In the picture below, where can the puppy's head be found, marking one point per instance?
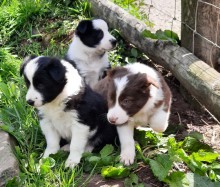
(44, 78)
(127, 95)
(94, 34)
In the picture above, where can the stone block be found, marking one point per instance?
(8, 163)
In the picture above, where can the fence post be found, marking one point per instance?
(200, 30)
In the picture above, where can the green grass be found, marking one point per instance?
(45, 27)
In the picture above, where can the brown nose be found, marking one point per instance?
(112, 120)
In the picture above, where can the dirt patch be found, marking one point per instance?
(187, 115)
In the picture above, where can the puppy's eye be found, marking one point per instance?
(126, 102)
(40, 86)
(100, 34)
(27, 82)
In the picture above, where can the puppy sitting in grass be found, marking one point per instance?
(137, 95)
(67, 107)
(89, 49)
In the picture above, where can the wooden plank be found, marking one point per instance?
(196, 76)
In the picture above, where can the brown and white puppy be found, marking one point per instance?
(137, 95)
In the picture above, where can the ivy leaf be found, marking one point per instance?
(134, 52)
(115, 172)
(106, 151)
(148, 34)
(177, 179)
(161, 166)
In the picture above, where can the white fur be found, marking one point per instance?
(56, 122)
(126, 133)
(117, 113)
(32, 93)
(91, 61)
(157, 118)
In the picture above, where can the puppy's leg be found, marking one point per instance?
(126, 133)
(78, 143)
(52, 138)
(159, 121)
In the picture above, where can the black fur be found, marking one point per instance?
(90, 36)
(49, 79)
(92, 111)
(50, 72)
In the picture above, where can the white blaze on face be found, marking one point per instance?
(105, 43)
(117, 113)
(32, 93)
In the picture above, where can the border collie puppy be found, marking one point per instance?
(89, 48)
(67, 108)
(137, 95)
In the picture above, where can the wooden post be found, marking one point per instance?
(200, 32)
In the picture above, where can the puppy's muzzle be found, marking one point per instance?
(30, 102)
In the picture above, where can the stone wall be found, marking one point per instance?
(200, 32)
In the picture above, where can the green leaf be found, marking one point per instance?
(134, 52)
(146, 137)
(4, 90)
(191, 144)
(177, 179)
(115, 172)
(161, 166)
(94, 159)
(46, 164)
(106, 151)
(132, 180)
(205, 156)
(171, 34)
(196, 135)
(148, 34)
(196, 180)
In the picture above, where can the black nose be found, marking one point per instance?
(30, 102)
(113, 42)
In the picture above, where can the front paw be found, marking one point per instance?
(127, 157)
(71, 162)
(49, 151)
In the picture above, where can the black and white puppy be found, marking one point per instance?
(89, 48)
(67, 108)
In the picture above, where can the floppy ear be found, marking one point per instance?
(81, 28)
(152, 81)
(24, 63)
(117, 72)
(56, 70)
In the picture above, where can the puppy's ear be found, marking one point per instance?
(56, 70)
(26, 60)
(82, 27)
(117, 72)
(152, 81)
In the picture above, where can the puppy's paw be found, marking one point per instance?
(49, 151)
(127, 157)
(66, 148)
(71, 162)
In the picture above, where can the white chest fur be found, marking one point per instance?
(61, 121)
